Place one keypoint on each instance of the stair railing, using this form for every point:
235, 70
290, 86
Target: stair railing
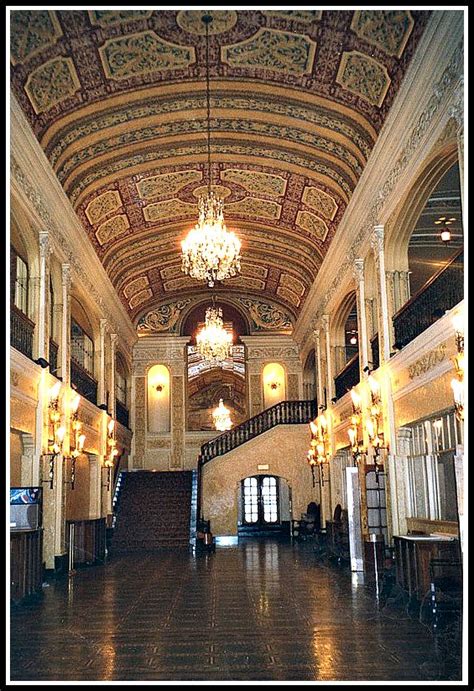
283, 413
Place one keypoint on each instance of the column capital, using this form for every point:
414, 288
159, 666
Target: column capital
113, 339
102, 326
378, 238
325, 322
44, 244
358, 270
66, 274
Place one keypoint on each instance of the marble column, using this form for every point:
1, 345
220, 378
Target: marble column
384, 318
65, 323
113, 343
329, 375
101, 396
361, 315
317, 344
43, 297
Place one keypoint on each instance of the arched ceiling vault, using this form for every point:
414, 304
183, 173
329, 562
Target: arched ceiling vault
116, 99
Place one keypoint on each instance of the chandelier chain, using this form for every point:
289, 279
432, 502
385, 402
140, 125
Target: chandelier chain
207, 20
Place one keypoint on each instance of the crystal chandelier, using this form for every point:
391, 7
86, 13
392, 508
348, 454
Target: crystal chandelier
213, 341
221, 417
210, 252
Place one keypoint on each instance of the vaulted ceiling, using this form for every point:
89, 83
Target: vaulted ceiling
117, 100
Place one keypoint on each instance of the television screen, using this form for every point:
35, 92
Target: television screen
25, 495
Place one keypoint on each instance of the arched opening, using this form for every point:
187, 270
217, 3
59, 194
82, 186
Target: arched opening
121, 390
209, 382
309, 377
23, 269
264, 506
345, 334
158, 399
82, 352
274, 384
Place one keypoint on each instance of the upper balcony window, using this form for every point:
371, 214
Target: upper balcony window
19, 281
82, 348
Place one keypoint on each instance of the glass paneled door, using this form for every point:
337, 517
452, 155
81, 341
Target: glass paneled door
260, 502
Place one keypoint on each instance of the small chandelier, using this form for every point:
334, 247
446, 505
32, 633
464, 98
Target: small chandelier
210, 252
213, 341
221, 417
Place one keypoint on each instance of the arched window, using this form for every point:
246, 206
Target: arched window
18, 281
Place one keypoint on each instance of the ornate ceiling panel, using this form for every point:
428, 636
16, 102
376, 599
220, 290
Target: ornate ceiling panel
117, 100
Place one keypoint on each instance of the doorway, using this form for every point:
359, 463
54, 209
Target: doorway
264, 503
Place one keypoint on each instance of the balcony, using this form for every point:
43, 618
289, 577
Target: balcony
441, 293
21, 332
83, 382
348, 377
53, 357
121, 413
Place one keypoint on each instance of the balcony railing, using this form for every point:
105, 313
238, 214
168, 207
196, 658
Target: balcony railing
348, 377
374, 344
121, 413
441, 293
21, 332
83, 382
53, 357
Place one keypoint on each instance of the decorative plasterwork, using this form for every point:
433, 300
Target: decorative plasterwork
251, 206
136, 286
265, 316
293, 283
163, 318
320, 201
103, 205
143, 53
107, 18
173, 208
313, 224
253, 270
255, 182
289, 295
427, 362
166, 183
364, 76
389, 30
191, 21
112, 229
31, 32
140, 298
246, 282
51, 83
303, 16
219, 190
273, 49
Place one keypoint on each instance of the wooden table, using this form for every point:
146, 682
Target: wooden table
413, 554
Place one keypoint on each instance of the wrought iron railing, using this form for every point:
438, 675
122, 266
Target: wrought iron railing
83, 382
374, 344
121, 413
348, 377
53, 357
283, 413
21, 332
441, 293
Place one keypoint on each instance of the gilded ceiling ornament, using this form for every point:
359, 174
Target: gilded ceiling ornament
256, 182
31, 32
254, 270
289, 295
166, 183
320, 201
251, 206
306, 17
51, 83
219, 191
102, 205
266, 316
112, 229
163, 318
247, 282
363, 76
140, 298
191, 21
111, 17
135, 286
143, 53
313, 224
272, 49
168, 210
293, 283
389, 30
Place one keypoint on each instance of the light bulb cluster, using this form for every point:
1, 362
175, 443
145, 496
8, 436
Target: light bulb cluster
111, 451
374, 420
57, 432
355, 431
210, 252
221, 417
457, 383
319, 453
213, 341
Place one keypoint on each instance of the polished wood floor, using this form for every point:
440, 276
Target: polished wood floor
263, 610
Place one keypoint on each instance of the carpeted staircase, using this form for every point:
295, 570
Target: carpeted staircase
153, 510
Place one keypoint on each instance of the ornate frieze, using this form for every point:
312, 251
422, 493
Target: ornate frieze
427, 362
266, 316
163, 318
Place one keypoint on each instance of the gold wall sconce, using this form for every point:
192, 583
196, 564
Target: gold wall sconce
355, 431
457, 383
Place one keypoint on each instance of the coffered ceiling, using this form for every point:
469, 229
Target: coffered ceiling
117, 100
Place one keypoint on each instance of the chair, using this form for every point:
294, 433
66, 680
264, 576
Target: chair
309, 523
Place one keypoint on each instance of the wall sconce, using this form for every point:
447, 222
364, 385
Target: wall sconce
445, 233
318, 454
274, 385
374, 421
111, 451
457, 383
56, 431
355, 430
159, 387
77, 438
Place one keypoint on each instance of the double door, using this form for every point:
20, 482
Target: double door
260, 502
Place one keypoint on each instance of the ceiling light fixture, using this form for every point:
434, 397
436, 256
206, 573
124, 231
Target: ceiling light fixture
213, 341
210, 252
221, 417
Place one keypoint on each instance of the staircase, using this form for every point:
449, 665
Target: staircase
152, 510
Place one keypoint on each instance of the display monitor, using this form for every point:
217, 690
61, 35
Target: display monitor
25, 495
